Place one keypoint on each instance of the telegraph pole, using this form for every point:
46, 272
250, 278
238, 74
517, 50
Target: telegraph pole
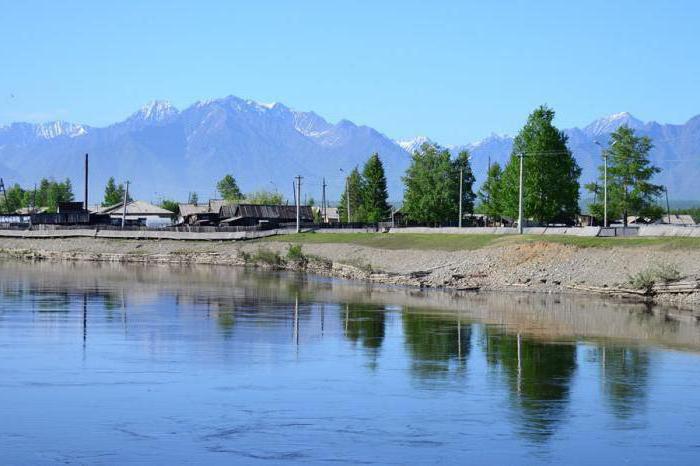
126, 197
323, 201
605, 190
488, 195
461, 176
86, 183
298, 196
4, 193
668, 206
520, 197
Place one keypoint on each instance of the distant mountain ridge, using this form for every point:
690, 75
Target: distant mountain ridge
166, 152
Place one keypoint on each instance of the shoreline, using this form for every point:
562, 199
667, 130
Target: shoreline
532, 267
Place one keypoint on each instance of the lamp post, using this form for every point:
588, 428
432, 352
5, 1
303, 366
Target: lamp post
605, 182
347, 193
520, 197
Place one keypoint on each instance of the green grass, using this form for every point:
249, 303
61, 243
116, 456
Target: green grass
440, 242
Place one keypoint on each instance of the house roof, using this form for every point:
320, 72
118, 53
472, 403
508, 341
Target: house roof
29, 210
273, 212
136, 208
677, 219
191, 209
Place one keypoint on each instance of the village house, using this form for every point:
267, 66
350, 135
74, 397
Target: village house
269, 215
139, 213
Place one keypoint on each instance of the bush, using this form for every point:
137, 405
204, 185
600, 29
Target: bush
294, 253
267, 256
659, 273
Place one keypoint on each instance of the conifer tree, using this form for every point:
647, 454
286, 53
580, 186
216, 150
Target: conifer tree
550, 175
354, 184
375, 197
490, 193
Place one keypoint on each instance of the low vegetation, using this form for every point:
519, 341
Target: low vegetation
453, 242
267, 256
657, 273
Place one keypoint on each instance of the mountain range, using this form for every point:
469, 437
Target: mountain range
168, 153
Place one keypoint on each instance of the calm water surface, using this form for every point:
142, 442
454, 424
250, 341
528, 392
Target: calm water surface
113, 364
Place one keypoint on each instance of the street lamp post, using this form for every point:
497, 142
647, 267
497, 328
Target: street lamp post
605, 182
347, 193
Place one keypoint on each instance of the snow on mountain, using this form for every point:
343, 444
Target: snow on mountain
55, 129
154, 112
411, 145
611, 123
169, 152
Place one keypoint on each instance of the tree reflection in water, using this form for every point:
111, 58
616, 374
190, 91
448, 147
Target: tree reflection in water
624, 376
539, 377
365, 324
436, 343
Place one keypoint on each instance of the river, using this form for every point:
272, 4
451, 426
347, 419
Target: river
114, 364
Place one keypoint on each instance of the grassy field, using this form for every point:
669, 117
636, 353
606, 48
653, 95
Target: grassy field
470, 242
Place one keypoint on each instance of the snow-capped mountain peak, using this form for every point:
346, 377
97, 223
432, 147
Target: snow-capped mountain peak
610, 123
411, 145
155, 111
55, 129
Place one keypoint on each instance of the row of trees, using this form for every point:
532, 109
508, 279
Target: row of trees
551, 177
46, 195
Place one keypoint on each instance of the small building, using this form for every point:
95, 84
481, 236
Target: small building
332, 216
200, 214
272, 215
680, 220
139, 213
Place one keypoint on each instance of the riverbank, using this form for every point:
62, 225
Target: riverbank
462, 262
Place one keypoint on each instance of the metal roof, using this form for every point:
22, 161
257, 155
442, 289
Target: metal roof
136, 208
282, 213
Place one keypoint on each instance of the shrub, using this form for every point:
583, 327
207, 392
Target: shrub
294, 253
658, 273
267, 256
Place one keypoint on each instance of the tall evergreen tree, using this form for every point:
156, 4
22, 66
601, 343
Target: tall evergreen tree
114, 194
462, 163
375, 197
431, 186
354, 184
490, 193
550, 179
630, 191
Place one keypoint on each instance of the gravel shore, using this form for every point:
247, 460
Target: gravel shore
537, 266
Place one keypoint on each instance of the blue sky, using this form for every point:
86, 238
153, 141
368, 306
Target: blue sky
452, 70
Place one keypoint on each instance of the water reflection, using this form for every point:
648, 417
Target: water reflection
624, 375
539, 376
401, 367
436, 343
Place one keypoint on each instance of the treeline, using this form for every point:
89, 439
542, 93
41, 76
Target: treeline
551, 188
48, 194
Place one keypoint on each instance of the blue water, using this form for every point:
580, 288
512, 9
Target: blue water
115, 364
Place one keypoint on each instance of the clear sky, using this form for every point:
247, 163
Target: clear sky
452, 70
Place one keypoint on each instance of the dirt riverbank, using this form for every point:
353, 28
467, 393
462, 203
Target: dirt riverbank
535, 266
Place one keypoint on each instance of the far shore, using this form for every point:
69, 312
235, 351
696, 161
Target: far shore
531, 263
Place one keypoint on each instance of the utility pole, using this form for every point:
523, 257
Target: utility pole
4, 193
347, 196
298, 197
126, 197
323, 201
605, 183
461, 175
668, 206
86, 183
488, 195
520, 197
605, 190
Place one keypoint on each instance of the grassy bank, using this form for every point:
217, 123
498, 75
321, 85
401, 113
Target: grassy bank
445, 242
